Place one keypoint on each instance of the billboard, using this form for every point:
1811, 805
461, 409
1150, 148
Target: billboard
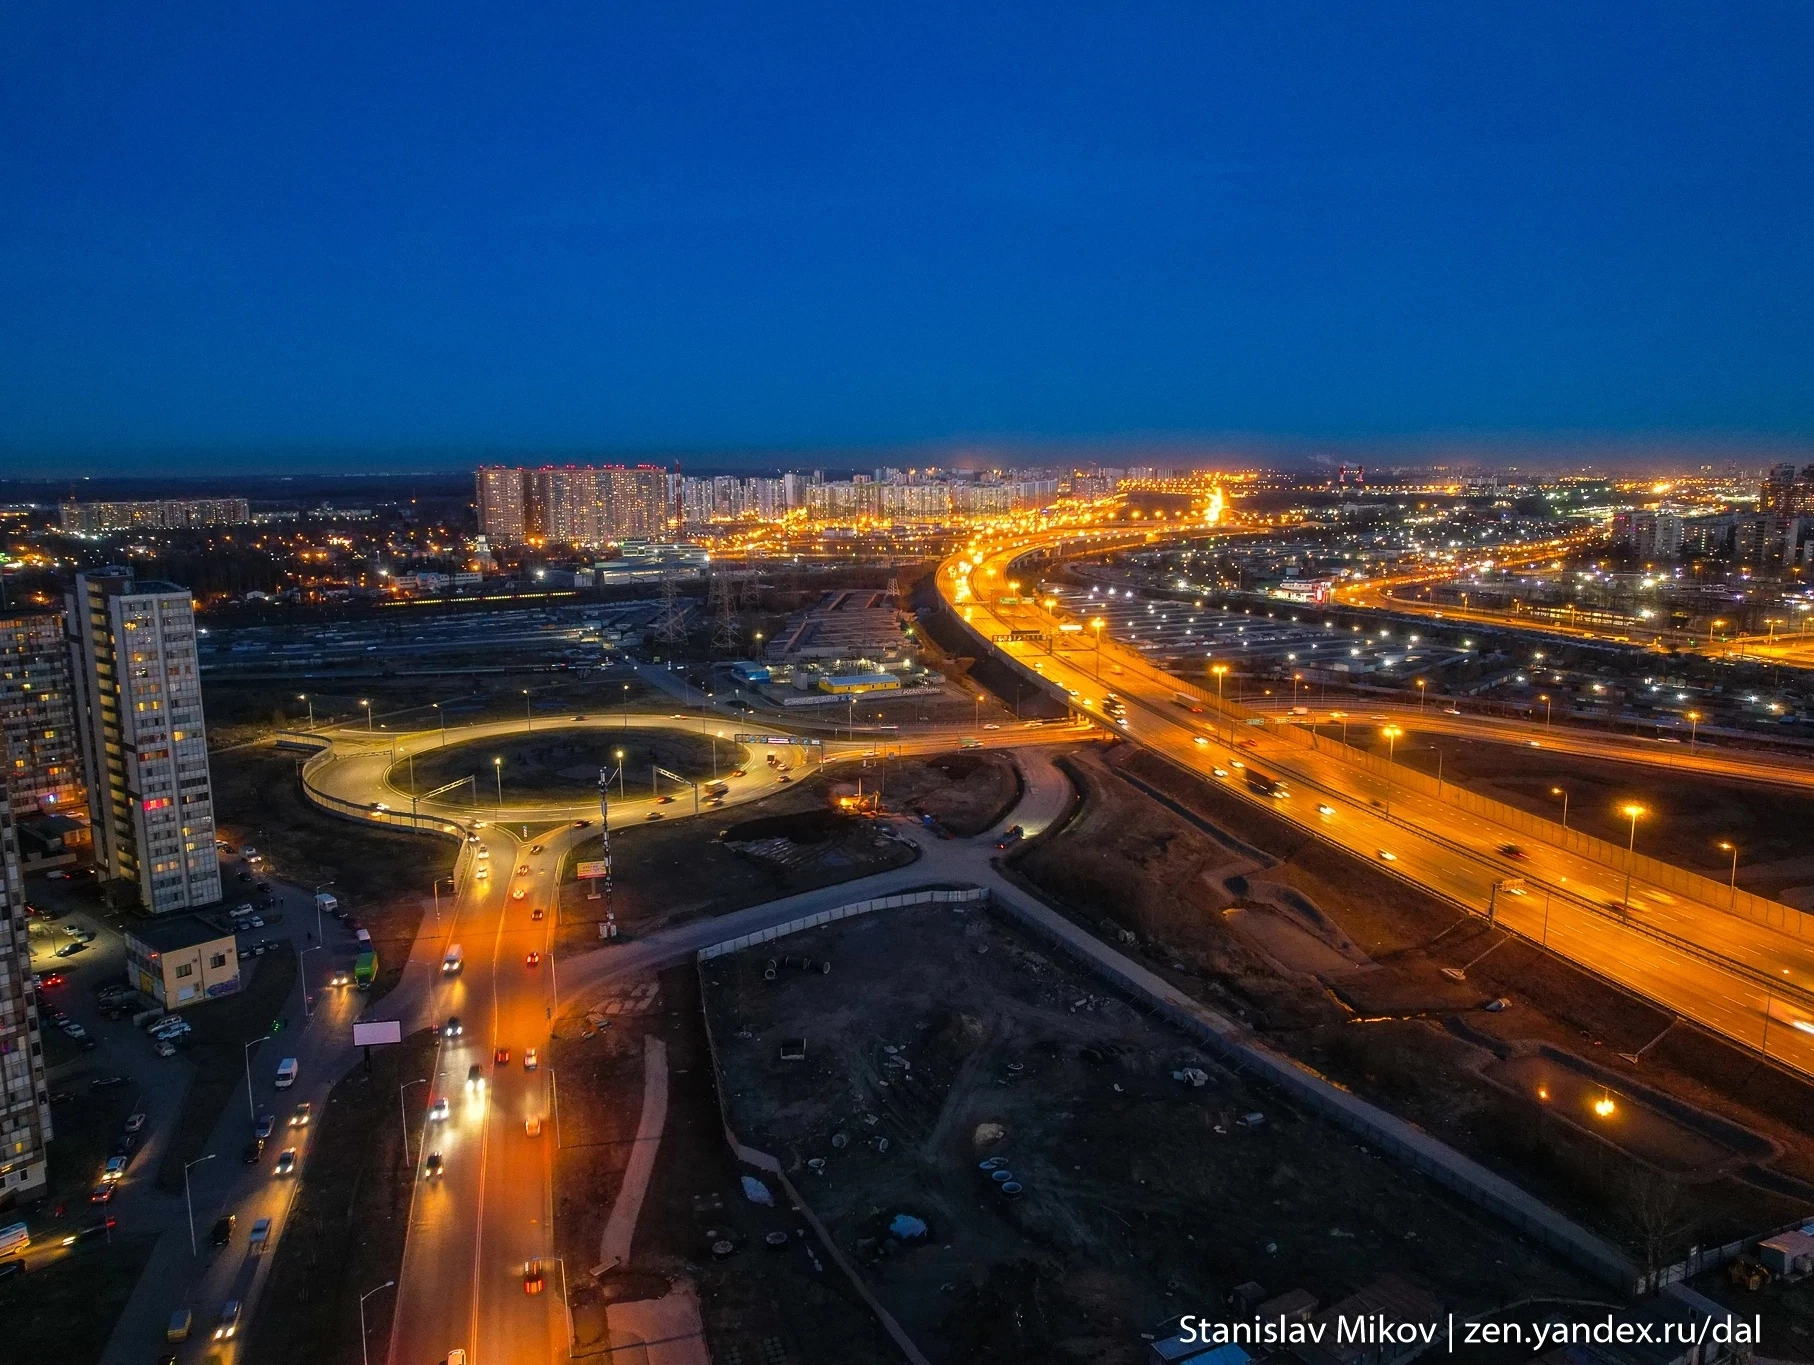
591, 871
378, 1031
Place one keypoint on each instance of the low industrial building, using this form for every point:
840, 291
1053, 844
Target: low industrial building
182, 961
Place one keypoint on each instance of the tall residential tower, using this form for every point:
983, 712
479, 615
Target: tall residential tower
144, 747
24, 1095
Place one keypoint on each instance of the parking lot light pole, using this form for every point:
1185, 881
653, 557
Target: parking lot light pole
436, 889
319, 888
303, 696
388, 1284
190, 1203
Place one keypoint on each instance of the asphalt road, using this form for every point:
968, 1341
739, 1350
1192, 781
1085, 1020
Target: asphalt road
1723, 976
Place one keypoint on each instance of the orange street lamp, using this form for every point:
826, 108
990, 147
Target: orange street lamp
1733, 884
1632, 811
1694, 727
1558, 791
1421, 694
1391, 732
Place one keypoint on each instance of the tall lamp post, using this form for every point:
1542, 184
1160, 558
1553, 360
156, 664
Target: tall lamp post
1221, 672
435, 890
497, 768
1391, 732
1631, 810
626, 706
1732, 885
187, 1201
1421, 695
305, 697
388, 1284
528, 719
1558, 791
251, 1108
403, 1114
1096, 625
441, 715
1544, 698
368, 714
1694, 728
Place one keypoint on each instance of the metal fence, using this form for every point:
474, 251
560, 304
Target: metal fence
364, 814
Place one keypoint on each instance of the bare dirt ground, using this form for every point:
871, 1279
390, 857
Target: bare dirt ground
672, 871
942, 1038
760, 1306
966, 791
1339, 966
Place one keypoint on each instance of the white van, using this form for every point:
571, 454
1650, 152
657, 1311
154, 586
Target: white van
14, 1238
286, 1073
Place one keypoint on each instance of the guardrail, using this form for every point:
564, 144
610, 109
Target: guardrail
364, 814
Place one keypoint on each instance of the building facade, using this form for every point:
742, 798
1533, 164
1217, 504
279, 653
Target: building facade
168, 514
37, 712
144, 745
25, 1127
582, 505
182, 962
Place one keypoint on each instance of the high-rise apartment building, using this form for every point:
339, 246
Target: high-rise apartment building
503, 505
42, 759
1651, 535
25, 1128
584, 505
144, 746
166, 514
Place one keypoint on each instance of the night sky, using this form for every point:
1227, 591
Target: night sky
288, 233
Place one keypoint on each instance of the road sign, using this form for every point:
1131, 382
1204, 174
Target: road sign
588, 871
379, 1031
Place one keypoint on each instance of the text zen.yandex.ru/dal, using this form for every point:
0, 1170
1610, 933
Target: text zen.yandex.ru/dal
1539, 1334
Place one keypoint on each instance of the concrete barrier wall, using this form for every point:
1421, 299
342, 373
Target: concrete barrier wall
813, 921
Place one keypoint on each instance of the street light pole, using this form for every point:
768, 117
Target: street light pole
320, 937
442, 714
1391, 732
528, 719
497, 768
304, 697
626, 706
435, 889
1733, 884
403, 1116
362, 1298
368, 714
251, 1109
1558, 791
307, 1011
187, 1201
1633, 810
1694, 728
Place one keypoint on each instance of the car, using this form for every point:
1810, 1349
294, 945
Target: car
1513, 851
244, 876
1387, 856
286, 1162
252, 1151
102, 1193
664, 800
536, 913
1533, 743
1324, 809
739, 772
56, 1017
74, 1030
1451, 710
653, 815
438, 1111
529, 1059
1220, 772
582, 824
482, 873
520, 893
475, 1074
73, 930
248, 852
229, 1321
533, 960
535, 848
264, 886
502, 1056
1236, 763
783, 777
53, 979
11, 1266
532, 1126
92, 1231
164, 1048
126, 1144
263, 1128
135, 1122
71, 949
61, 1096
1200, 739
106, 1082
523, 870
115, 1169
533, 1279
453, 1028
434, 1166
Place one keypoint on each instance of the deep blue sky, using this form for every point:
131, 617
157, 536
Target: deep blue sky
243, 225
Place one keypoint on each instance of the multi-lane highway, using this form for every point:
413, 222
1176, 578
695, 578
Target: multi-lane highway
1746, 980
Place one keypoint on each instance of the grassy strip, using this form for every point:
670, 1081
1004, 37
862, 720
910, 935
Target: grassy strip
216, 1051
347, 1228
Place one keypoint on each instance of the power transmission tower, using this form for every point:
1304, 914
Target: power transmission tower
671, 621
724, 629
